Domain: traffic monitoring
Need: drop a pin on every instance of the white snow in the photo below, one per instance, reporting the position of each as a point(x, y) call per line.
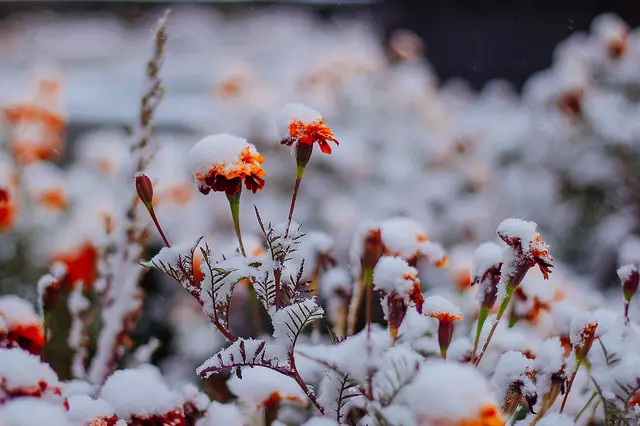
point(17, 311)
point(141, 391)
point(295, 112)
point(222, 414)
point(258, 384)
point(435, 305)
point(32, 412)
point(393, 275)
point(624, 272)
point(320, 421)
point(22, 370)
point(550, 356)
point(513, 368)
point(555, 419)
point(517, 228)
point(401, 237)
point(486, 256)
point(218, 150)
point(578, 323)
point(170, 256)
point(83, 409)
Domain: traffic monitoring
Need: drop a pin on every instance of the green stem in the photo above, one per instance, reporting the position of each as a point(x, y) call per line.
point(234, 203)
point(368, 282)
point(482, 318)
point(294, 197)
point(503, 307)
point(593, 395)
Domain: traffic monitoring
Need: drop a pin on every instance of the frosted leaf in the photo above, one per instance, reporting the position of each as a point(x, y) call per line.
point(240, 353)
point(177, 262)
point(336, 392)
point(140, 392)
point(288, 322)
point(396, 369)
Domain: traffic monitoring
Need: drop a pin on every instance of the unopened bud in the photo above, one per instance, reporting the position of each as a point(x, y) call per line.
point(372, 250)
point(629, 278)
point(144, 187)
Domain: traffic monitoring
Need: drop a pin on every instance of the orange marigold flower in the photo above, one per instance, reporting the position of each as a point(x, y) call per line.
point(7, 210)
point(81, 264)
point(528, 249)
point(223, 162)
point(301, 124)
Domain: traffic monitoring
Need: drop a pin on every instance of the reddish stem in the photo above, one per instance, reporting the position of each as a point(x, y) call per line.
point(294, 196)
point(155, 221)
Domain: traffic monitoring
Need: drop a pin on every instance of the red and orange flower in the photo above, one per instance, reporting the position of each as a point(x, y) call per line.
point(224, 162)
point(301, 124)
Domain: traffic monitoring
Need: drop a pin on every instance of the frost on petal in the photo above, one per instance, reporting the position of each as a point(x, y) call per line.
point(24, 374)
point(140, 392)
point(295, 112)
point(438, 306)
point(288, 322)
point(258, 387)
point(240, 353)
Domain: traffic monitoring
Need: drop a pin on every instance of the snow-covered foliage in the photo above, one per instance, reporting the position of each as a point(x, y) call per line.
point(342, 312)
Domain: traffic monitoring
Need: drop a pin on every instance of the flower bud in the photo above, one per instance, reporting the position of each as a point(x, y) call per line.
point(629, 278)
point(144, 187)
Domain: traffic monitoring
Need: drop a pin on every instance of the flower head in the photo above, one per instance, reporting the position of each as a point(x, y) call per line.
point(299, 124)
point(23, 327)
point(223, 162)
point(81, 264)
point(446, 313)
point(527, 249)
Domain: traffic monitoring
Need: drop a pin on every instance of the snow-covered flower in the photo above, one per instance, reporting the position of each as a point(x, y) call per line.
point(514, 382)
point(629, 278)
point(299, 124)
point(223, 162)
point(23, 326)
point(401, 286)
point(25, 375)
point(527, 249)
point(446, 313)
point(487, 260)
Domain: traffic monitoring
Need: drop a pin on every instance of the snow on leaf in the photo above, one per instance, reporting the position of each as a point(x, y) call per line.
point(336, 390)
point(397, 369)
point(177, 262)
point(243, 352)
point(289, 322)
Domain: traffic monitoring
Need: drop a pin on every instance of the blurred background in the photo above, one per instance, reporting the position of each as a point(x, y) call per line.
point(455, 113)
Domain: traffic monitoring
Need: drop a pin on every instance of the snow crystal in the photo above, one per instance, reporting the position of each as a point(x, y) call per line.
point(555, 419)
point(389, 275)
point(436, 391)
point(434, 305)
point(295, 112)
point(141, 391)
point(17, 311)
point(83, 409)
point(487, 255)
point(550, 356)
point(20, 369)
point(335, 280)
point(31, 412)
point(258, 384)
point(521, 229)
point(513, 367)
point(624, 272)
point(459, 349)
point(222, 414)
point(218, 150)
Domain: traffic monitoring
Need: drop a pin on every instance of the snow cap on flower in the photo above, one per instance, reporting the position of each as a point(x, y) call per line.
point(629, 278)
point(263, 387)
point(583, 329)
point(513, 381)
point(441, 308)
point(299, 124)
point(527, 245)
point(32, 412)
point(393, 276)
point(223, 162)
point(24, 326)
point(25, 375)
point(450, 393)
point(485, 258)
point(84, 410)
point(141, 394)
point(404, 237)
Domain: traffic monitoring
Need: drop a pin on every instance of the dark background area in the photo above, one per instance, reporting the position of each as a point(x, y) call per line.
point(476, 40)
